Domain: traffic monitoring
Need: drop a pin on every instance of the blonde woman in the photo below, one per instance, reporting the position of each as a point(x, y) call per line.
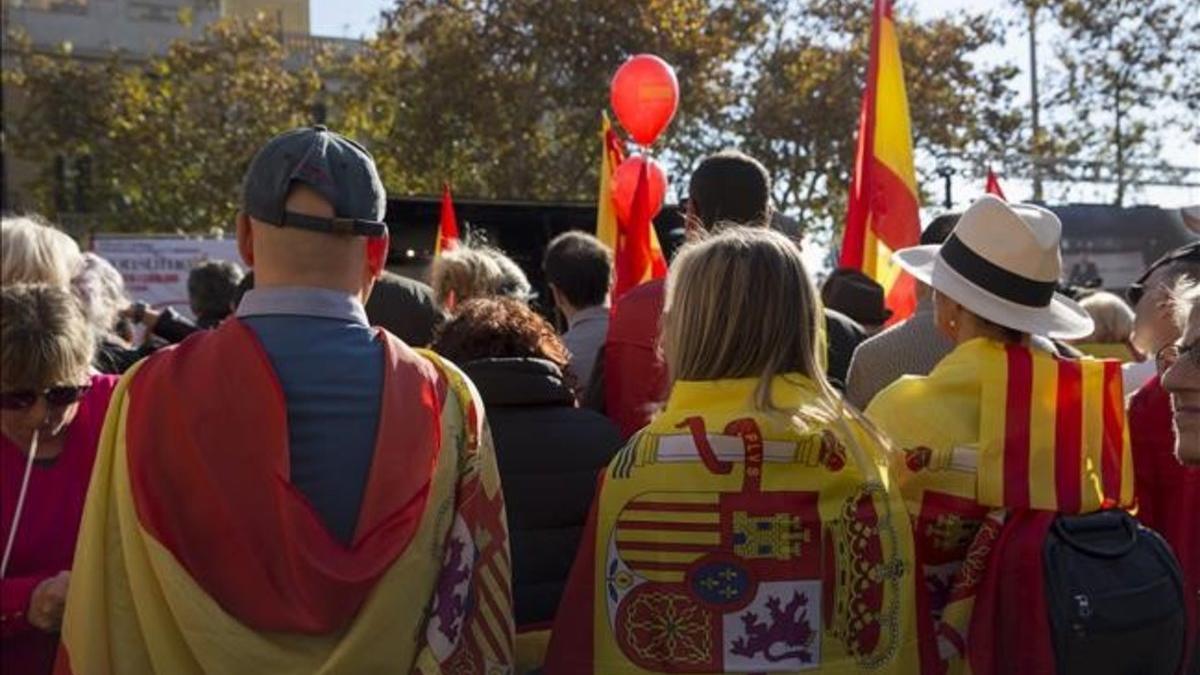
point(1001, 429)
point(51, 412)
point(750, 526)
point(34, 252)
point(1112, 338)
point(476, 272)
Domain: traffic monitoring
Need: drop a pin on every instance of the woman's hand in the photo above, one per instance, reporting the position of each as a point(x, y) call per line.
point(47, 602)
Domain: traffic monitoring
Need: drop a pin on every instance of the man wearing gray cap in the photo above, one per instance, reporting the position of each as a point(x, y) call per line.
point(299, 491)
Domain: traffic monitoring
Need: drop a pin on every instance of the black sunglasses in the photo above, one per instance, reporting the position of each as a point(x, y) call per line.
point(56, 397)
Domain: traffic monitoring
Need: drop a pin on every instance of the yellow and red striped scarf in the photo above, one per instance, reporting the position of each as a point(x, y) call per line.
point(997, 427)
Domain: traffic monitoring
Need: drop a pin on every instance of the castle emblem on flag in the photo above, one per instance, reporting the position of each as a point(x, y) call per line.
point(778, 536)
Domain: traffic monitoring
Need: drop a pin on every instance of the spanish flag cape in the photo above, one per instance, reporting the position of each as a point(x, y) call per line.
point(196, 554)
point(726, 539)
point(995, 430)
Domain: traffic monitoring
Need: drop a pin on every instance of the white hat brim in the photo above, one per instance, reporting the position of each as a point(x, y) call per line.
point(1063, 318)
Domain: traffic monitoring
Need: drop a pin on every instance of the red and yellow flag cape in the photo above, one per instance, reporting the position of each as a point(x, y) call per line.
point(728, 539)
point(995, 428)
point(882, 212)
point(196, 554)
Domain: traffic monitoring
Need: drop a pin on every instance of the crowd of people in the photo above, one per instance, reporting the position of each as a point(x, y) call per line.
point(335, 468)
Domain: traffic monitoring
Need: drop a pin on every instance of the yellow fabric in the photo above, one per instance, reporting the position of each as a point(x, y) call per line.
point(606, 211)
point(133, 609)
point(877, 262)
point(965, 394)
point(722, 517)
point(892, 146)
point(893, 133)
point(531, 650)
point(1107, 350)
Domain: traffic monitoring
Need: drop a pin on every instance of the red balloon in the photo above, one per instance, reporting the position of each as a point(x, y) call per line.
point(644, 96)
point(624, 186)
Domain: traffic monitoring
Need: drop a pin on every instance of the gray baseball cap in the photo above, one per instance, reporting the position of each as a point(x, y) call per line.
point(339, 169)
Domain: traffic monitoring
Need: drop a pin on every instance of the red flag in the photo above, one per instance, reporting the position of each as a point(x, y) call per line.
point(881, 216)
point(993, 185)
point(638, 257)
point(447, 238)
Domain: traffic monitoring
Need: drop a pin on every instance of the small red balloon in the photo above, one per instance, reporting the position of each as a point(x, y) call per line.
point(644, 96)
point(624, 186)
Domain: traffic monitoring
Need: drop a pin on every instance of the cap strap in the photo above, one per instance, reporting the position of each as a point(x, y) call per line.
point(354, 226)
point(993, 278)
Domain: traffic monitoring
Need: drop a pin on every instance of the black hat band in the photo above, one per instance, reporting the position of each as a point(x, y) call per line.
point(995, 279)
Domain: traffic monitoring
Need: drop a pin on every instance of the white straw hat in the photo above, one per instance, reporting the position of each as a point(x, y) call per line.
point(1002, 262)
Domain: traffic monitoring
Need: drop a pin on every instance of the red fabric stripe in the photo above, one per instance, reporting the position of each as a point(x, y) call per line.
point(663, 546)
point(1010, 632)
point(484, 626)
point(62, 661)
point(854, 236)
point(672, 506)
point(671, 527)
point(902, 298)
point(895, 216)
point(1114, 431)
point(212, 493)
point(1068, 436)
point(1016, 423)
point(505, 588)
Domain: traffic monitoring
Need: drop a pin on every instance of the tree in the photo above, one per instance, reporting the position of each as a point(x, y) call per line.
point(168, 139)
point(503, 99)
point(804, 91)
point(56, 114)
point(1129, 76)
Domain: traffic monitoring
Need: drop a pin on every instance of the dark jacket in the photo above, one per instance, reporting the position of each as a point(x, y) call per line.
point(549, 453)
point(405, 308)
point(844, 335)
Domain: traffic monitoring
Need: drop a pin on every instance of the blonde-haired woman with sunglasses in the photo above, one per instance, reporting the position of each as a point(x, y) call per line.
point(51, 411)
point(750, 526)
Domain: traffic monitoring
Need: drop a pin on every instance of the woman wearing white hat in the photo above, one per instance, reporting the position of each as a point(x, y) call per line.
point(998, 424)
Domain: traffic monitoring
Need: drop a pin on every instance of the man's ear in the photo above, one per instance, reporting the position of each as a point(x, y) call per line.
point(377, 253)
point(245, 239)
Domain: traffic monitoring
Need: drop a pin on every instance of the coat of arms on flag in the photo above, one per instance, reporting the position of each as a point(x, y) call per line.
point(745, 580)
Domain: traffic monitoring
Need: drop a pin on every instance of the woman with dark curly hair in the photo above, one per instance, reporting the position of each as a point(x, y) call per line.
point(549, 450)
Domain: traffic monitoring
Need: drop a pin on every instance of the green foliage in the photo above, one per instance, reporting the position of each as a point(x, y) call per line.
point(802, 102)
point(168, 139)
point(503, 99)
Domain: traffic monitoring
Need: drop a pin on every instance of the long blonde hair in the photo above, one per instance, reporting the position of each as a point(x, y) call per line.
point(740, 304)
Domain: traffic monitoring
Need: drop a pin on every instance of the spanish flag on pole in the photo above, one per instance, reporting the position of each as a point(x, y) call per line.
point(612, 153)
point(637, 254)
point(447, 236)
point(882, 213)
point(196, 554)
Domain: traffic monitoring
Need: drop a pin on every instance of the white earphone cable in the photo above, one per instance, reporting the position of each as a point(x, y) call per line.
point(12, 531)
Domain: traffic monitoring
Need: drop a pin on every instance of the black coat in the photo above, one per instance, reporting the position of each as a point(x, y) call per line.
point(550, 454)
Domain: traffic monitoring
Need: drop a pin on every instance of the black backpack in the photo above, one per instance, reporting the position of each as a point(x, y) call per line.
point(1115, 595)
